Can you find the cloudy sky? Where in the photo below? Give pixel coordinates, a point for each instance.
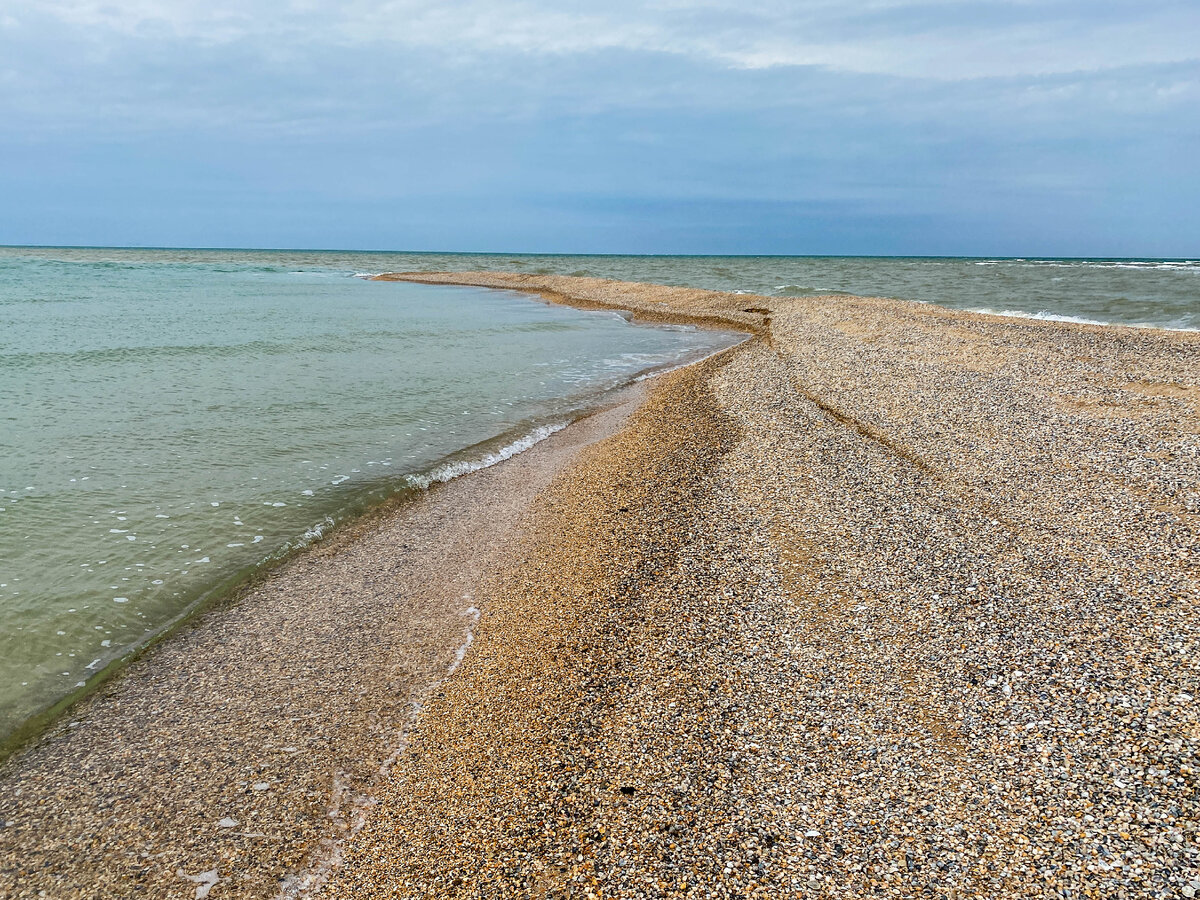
(1019, 127)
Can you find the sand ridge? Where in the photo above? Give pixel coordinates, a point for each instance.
(891, 601)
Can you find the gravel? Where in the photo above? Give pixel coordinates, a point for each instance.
(889, 601)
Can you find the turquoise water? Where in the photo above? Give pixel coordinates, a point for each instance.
(168, 419)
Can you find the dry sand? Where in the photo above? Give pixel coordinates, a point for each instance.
(888, 601)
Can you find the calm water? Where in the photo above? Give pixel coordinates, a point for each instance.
(167, 420)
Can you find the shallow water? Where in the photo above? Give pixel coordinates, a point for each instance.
(168, 420)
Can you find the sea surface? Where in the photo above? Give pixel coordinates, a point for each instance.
(1157, 293)
(171, 419)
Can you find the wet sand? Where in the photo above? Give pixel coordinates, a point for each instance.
(888, 601)
(250, 744)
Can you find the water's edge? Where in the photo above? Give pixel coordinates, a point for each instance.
(375, 502)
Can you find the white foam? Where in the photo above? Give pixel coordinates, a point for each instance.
(1129, 265)
(663, 371)
(332, 852)
(448, 471)
(1043, 316)
(204, 881)
(473, 614)
(314, 533)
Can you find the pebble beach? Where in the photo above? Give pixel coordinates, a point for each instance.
(888, 600)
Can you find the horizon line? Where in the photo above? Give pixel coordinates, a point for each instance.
(535, 253)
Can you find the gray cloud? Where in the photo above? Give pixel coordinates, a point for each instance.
(971, 117)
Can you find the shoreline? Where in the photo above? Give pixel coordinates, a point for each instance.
(233, 587)
(372, 500)
(800, 624)
(667, 304)
(162, 704)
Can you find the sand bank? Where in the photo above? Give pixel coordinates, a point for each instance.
(890, 600)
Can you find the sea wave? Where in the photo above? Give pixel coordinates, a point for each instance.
(1185, 265)
(313, 533)
(796, 290)
(654, 373)
(450, 470)
(1044, 316)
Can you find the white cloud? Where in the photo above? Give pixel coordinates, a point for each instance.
(950, 39)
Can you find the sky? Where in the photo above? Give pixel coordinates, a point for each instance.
(943, 127)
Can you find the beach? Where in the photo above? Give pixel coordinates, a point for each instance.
(887, 600)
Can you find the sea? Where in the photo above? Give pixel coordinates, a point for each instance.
(173, 420)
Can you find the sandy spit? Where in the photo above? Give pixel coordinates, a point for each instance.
(889, 601)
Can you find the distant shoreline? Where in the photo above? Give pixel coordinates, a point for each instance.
(717, 309)
(1155, 292)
